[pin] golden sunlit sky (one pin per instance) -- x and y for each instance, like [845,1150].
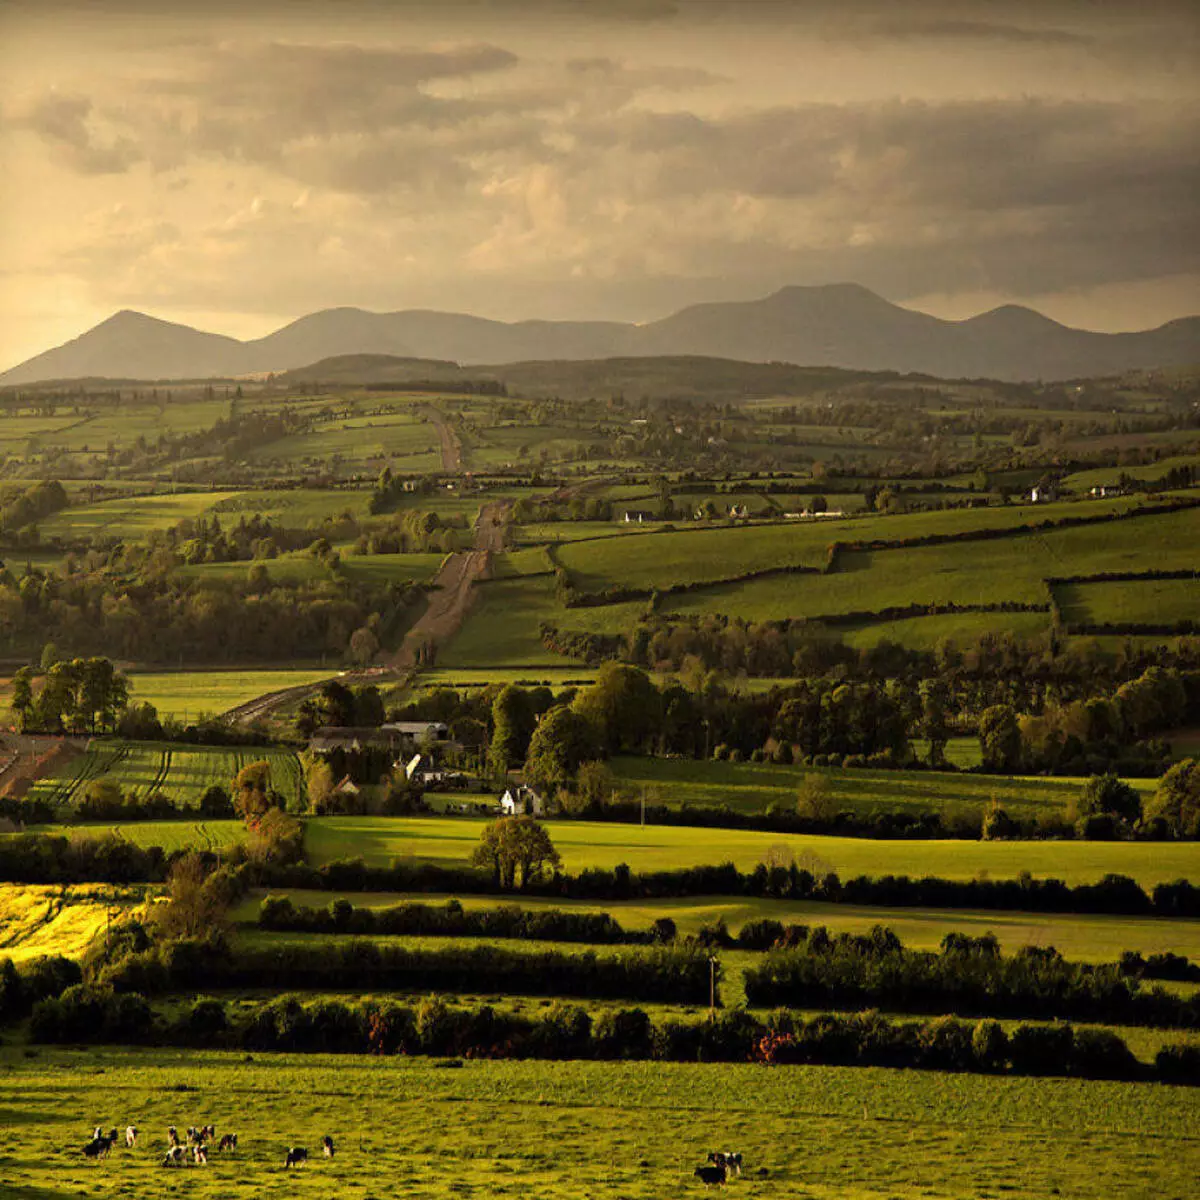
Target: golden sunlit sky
[234,166]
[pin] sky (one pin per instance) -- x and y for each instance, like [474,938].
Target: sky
[236,165]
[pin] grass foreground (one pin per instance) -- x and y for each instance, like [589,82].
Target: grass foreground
[409,1127]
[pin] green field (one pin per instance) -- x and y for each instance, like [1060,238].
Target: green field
[698,556]
[1087,937]
[131,517]
[190,693]
[39,919]
[1141,601]
[451,840]
[181,772]
[404,1127]
[927,633]
[502,626]
[751,787]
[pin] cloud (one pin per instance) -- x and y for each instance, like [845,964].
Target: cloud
[67,123]
[948,29]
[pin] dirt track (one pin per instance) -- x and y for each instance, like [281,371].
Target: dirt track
[451,450]
[449,604]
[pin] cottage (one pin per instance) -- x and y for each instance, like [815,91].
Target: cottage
[521,800]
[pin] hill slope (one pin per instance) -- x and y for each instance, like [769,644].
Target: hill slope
[842,325]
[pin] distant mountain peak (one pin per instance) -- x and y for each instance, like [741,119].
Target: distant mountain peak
[827,325]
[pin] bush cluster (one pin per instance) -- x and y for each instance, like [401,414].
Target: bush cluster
[669,974]
[969,977]
[568,1031]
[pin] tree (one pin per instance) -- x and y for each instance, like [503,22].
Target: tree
[513,723]
[364,645]
[594,783]
[1177,799]
[934,725]
[21,706]
[563,739]
[252,793]
[516,850]
[198,899]
[319,782]
[1108,795]
[1000,738]
[276,838]
[815,799]
[624,707]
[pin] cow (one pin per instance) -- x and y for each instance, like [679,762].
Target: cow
[209,1131]
[172,1137]
[97,1133]
[327,1146]
[712,1174]
[729,1159]
[200,1154]
[176,1156]
[112,1136]
[97,1148]
[130,1136]
[228,1141]
[296,1156]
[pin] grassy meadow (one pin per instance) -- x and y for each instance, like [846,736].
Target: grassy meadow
[407,1127]
[181,772]
[1087,937]
[129,517]
[752,787]
[451,840]
[190,693]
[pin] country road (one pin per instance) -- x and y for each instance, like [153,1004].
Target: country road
[449,604]
[451,448]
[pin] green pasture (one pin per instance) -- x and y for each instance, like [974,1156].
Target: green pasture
[406,1127]
[129,517]
[512,563]
[982,572]
[1087,937]
[752,787]
[190,693]
[396,436]
[927,633]
[181,772]
[1082,481]
[382,569]
[469,679]
[451,840]
[1141,601]
[297,508]
[502,626]
[712,555]
[288,569]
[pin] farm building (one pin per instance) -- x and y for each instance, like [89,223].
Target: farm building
[637,516]
[519,800]
[353,739]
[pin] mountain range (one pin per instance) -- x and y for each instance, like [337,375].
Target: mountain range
[839,325]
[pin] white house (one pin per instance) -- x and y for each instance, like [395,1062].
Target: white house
[521,800]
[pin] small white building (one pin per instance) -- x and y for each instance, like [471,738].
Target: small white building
[521,801]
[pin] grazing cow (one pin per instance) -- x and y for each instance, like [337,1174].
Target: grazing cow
[130,1136]
[295,1156]
[327,1146]
[172,1137]
[200,1154]
[97,1148]
[176,1156]
[713,1174]
[731,1161]
[209,1131]
[228,1141]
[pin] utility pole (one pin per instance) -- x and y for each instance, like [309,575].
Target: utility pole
[712,987]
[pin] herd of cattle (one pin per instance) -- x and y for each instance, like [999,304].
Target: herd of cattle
[192,1148]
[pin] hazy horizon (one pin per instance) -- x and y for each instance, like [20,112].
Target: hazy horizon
[240,168]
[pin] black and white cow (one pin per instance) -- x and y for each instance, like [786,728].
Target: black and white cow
[130,1136]
[729,1159]
[97,1148]
[327,1146]
[228,1141]
[296,1156]
[712,1174]
[176,1156]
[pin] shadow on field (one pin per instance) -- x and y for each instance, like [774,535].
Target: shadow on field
[29,1192]
[26,1115]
